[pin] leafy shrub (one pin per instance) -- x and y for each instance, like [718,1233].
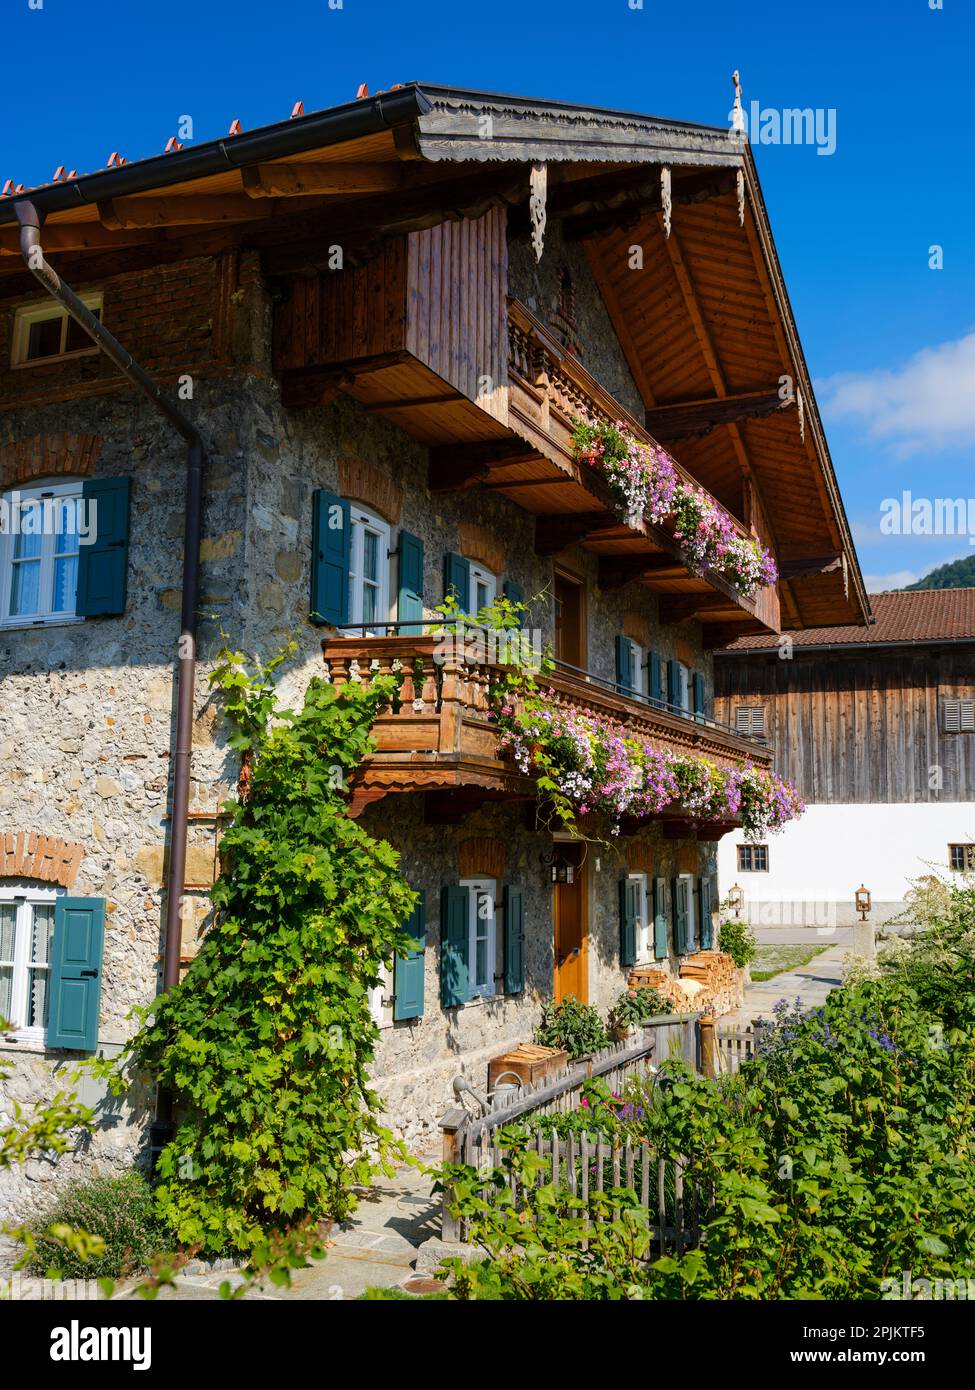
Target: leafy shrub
[572,1025]
[636,1006]
[737,940]
[121,1210]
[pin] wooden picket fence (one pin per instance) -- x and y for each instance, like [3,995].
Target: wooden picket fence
[735,1043]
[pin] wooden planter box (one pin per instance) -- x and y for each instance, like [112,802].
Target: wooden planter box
[531,1063]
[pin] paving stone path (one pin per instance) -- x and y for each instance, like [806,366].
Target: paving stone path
[811,983]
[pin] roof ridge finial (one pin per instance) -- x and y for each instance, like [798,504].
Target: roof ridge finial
[737,111]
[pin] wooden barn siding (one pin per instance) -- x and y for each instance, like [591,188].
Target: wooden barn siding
[863,727]
[439,294]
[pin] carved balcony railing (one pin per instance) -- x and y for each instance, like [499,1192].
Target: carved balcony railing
[438,735]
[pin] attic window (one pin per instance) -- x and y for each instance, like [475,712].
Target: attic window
[959,716]
[46,333]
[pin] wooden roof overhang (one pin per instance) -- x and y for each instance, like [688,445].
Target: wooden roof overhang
[706,326]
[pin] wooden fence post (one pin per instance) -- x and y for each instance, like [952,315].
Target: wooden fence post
[708,1042]
[449,1125]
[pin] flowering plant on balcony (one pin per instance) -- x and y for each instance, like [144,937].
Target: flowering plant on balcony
[644,478]
[589,764]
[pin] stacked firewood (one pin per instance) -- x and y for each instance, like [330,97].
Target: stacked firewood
[708,980]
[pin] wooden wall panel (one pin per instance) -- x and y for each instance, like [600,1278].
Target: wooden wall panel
[859,726]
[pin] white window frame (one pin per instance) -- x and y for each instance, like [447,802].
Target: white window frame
[481,575]
[639,657]
[693,933]
[684,694]
[28,314]
[361,521]
[26,897]
[644,936]
[479,889]
[46,616]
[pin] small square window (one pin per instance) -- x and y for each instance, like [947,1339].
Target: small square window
[45,332]
[750,721]
[958,716]
[962,858]
[753,859]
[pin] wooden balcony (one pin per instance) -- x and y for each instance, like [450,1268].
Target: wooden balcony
[439,736]
[426,336]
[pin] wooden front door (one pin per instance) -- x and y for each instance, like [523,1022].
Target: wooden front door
[571,930]
[570,637]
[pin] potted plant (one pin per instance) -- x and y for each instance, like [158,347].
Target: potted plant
[574,1026]
[633,1008]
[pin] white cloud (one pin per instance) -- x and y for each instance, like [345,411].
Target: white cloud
[928,403]
[880,583]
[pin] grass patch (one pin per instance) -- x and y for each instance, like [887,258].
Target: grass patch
[773,960]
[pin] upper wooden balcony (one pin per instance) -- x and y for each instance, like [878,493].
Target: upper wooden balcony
[439,735]
[426,336]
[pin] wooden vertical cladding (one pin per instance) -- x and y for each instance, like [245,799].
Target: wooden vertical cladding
[859,726]
[419,333]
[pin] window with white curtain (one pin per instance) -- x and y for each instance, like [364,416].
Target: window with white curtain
[39,554]
[26,937]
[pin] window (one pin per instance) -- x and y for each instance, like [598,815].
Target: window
[683,687]
[26,935]
[753,859]
[484,589]
[368,571]
[482,950]
[639,882]
[750,721]
[962,858]
[43,333]
[639,658]
[959,716]
[39,554]
[693,910]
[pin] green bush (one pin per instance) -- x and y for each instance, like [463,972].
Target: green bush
[575,1026]
[737,940]
[636,1006]
[119,1209]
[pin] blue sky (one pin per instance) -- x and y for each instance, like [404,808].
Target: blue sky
[890,341]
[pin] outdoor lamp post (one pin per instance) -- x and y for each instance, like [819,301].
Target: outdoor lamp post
[736,898]
[862,900]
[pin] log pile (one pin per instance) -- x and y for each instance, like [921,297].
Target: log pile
[530,1062]
[708,980]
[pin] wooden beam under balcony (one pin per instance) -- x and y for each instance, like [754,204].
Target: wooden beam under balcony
[693,419]
[804,568]
[616,571]
[638,201]
[458,467]
[555,533]
[681,608]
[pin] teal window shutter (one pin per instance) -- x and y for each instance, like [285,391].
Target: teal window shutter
[699,710]
[629,909]
[331,543]
[704,899]
[454,941]
[103,566]
[678,890]
[408,969]
[76,969]
[673,683]
[457,576]
[514,940]
[660,918]
[514,593]
[410,603]
[625,681]
[656,678]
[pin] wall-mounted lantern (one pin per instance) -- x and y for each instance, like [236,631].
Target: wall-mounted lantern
[862,900]
[560,870]
[736,898]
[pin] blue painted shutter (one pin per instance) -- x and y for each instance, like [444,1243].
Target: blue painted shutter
[103,566]
[629,898]
[410,603]
[624,665]
[699,697]
[76,968]
[514,593]
[678,890]
[704,899]
[673,683]
[457,576]
[454,941]
[660,918]
[656,678]
[331,541]
[408,969]
[514,940]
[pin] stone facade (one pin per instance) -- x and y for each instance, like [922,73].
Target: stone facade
[87,708]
